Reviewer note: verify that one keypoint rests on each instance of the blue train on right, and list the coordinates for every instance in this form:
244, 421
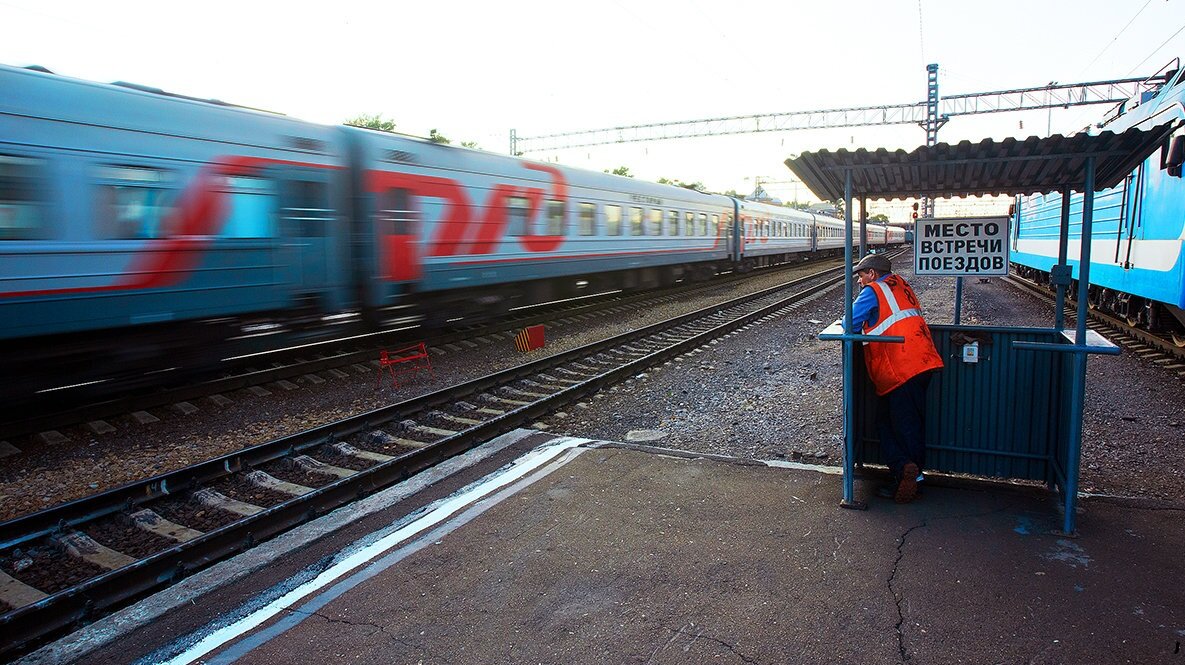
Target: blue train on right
1137, 267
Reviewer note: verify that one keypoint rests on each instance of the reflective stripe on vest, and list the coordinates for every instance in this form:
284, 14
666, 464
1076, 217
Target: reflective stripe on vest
897, 314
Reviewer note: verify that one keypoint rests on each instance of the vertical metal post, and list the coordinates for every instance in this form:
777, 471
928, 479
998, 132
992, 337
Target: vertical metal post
513, 143
933, 124
958, 299
849, 416
863, 226
1059, 314
1078, 380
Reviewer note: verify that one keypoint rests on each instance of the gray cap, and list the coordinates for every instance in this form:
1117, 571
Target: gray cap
877, 262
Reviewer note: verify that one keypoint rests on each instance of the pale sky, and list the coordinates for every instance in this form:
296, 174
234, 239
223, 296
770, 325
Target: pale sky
474, 70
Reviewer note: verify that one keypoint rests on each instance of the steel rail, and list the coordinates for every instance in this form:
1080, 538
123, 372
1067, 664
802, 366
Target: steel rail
137, 402
1116, 324
63, 608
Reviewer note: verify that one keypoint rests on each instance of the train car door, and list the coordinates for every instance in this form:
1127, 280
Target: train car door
1132, 207
307, 229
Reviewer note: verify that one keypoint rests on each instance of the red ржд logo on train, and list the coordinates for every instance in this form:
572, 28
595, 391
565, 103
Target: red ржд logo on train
461, 230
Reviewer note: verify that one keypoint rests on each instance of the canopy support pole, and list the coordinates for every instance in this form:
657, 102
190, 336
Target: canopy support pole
863, 226
1078, 379
849, 356
1063, 243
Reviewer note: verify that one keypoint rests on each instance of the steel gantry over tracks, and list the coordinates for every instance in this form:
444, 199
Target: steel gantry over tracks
930, 114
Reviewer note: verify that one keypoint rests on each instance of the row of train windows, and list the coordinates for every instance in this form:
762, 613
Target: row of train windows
136, 202
644, 222
612, 220
139, 203
765, 228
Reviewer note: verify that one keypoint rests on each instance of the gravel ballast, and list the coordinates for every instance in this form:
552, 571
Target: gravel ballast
773, 391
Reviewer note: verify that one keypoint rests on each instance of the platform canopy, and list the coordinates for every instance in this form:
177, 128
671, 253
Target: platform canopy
1010, 167
1063, 164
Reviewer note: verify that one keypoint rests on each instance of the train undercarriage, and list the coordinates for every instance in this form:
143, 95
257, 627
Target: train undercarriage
1159, 318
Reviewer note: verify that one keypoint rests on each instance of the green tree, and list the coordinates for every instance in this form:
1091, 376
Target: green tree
621, 170
437, 137
695, 186
375, 121
879, 217
733, 194
470, 144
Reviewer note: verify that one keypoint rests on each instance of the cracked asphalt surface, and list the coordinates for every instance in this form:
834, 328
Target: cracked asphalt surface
628, 556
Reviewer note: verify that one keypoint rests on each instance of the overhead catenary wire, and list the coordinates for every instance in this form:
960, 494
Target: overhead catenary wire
1157, 49
1116, 38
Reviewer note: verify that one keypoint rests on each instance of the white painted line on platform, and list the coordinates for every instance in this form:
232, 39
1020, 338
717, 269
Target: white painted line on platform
442, 511
818, 468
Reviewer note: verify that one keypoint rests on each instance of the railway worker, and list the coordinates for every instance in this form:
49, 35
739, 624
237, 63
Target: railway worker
900, 372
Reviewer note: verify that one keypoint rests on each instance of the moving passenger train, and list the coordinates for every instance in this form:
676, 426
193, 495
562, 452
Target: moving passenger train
1137, 269
138, 225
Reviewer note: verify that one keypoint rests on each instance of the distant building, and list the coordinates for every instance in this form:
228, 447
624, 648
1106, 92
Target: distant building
759, 194
824, 208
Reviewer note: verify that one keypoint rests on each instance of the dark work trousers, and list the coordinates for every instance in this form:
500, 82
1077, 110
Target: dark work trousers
901, 424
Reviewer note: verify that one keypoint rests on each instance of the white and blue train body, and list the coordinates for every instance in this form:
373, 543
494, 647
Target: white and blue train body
1138, 228
136, 223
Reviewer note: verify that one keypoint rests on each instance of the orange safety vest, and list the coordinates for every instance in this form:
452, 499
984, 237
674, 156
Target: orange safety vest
891, 364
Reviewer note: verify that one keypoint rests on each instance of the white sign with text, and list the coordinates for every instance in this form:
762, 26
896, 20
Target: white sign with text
961, 246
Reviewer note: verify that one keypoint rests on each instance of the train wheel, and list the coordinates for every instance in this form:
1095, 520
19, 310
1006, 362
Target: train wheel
1151, 315
1135, 312
1179, 339
1107, 300
1092, 297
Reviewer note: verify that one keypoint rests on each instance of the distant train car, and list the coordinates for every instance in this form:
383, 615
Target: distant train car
1138, 227
456, 227
773, 234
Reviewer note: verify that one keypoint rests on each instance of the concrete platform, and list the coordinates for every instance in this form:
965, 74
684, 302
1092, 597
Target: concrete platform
594, 552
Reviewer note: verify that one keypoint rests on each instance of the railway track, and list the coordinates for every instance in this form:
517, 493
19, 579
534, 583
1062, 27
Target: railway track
338, 358
1148, 346
81, 559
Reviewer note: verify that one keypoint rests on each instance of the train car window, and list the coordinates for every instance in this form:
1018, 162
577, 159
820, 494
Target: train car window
672, 222
715, 228
689, 223
613, 220
308, 205
654, 222
251, 207
555, 218
636, 222
135, 203
396, 216
588, 219
703, 223
518, 210
21, 199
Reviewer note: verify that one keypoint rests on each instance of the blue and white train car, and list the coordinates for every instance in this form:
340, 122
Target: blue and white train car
457, 226
1137, 270
124, 208
829, 234
773, 234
